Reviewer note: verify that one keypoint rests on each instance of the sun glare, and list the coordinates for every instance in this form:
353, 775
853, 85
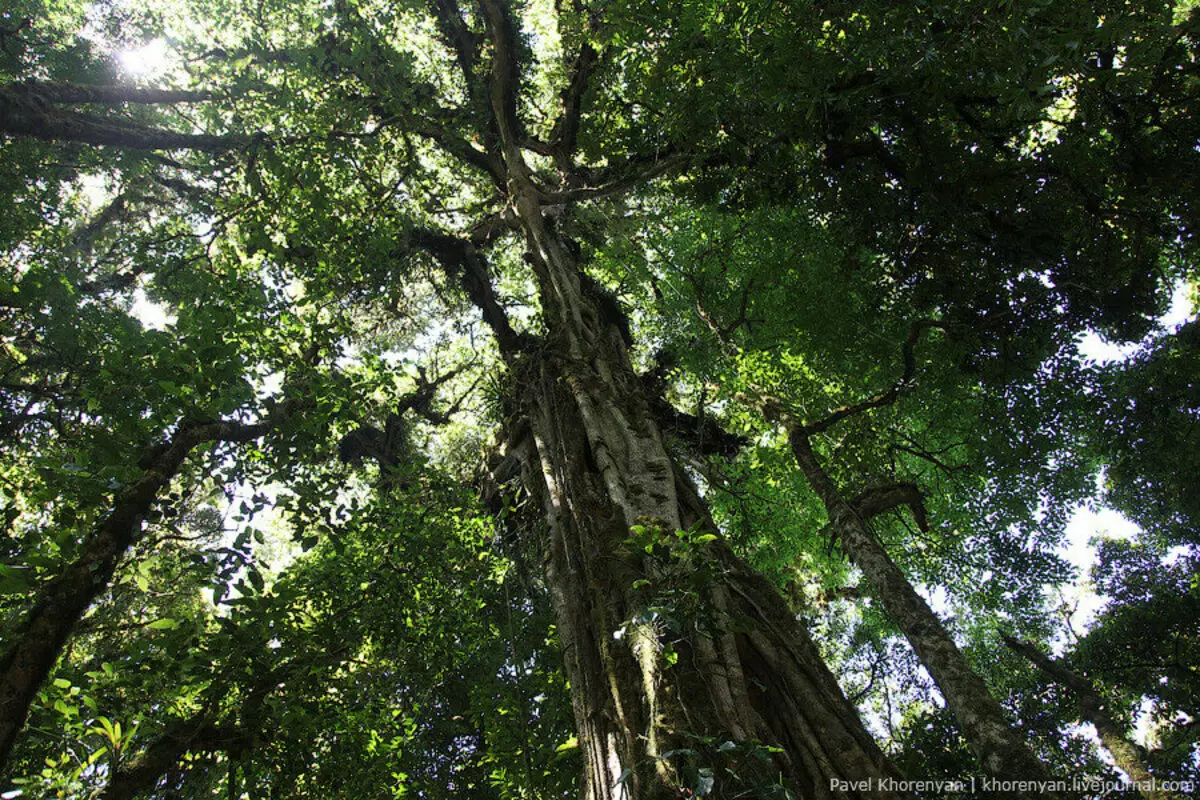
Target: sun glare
149, 59
152, 315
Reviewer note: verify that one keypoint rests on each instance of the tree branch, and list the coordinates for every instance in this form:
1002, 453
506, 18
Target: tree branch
889, 395
621, 181
457, 147
882, 498
71, 93
925, 455
505, 73
566, 129
196, 734
465, 43
22, 114
428, 126
58, 606
461, 261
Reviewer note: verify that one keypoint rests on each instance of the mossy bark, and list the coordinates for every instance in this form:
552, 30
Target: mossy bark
671, 643
1001, 750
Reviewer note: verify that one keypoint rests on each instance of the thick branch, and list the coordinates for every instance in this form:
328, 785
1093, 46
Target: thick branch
505, 73
420, 400
703, 435
83, 238
566, 128
388, 447
454, 29
53, 92
457, 147
25, 115
462, 262
60, 604
465, 44
879, 499
195, 735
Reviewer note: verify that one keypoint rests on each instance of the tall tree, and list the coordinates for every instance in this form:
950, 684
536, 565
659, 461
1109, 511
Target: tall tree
354, 158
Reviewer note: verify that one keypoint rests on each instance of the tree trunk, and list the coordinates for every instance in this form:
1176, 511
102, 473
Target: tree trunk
670, 642
1092, 709
1000, 749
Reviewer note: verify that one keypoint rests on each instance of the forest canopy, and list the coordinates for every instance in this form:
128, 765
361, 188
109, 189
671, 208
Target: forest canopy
611, 399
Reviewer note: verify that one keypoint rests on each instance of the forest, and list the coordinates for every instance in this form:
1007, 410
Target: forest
600, 399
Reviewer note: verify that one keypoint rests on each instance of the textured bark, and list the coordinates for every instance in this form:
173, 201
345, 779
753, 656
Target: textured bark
1092, 708
1000, 749
596, 461
61, 603
583, 429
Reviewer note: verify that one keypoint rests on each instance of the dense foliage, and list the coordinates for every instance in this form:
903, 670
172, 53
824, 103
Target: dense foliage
272, 279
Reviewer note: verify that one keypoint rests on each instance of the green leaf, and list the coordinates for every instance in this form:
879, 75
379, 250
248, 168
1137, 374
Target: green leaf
15, 580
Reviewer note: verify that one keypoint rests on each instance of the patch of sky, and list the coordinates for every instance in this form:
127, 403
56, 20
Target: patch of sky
1096, 349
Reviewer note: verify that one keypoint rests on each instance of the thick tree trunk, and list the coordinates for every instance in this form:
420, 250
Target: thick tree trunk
1000, 749
1092, 708
675, 651
721, 659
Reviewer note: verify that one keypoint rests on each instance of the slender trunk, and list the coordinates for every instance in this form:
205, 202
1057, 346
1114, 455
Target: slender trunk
61, 603
1000, 749
1092, 709
721, 659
